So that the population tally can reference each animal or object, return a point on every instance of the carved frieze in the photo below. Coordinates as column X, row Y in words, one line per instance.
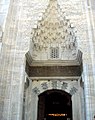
column 54, row 84
column 44, row 85
column 64, row 86
column 73, row 90
column 53, row 71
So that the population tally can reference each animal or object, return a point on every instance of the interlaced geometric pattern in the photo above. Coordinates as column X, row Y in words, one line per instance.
column 54, row 52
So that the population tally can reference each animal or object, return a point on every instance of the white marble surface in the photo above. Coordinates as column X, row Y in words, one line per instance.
column 22, row 18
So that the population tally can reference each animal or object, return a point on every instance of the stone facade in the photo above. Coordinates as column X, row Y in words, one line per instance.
column 22, row 17
column 40, row 86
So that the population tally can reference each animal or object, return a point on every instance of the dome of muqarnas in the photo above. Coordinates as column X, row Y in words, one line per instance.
column 54, row 30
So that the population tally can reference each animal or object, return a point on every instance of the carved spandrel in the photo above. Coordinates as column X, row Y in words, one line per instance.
column 36, row 90
column 44, row 86
column 73, row 90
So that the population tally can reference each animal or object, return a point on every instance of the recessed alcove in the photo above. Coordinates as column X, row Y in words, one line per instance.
column 54, row 56
column 54, row 105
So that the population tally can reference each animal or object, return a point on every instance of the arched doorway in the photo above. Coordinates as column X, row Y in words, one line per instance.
column 54, row 105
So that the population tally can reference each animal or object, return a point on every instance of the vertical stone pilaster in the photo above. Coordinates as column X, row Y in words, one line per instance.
column 76, row 106
column 89, row 62
column 12, row 65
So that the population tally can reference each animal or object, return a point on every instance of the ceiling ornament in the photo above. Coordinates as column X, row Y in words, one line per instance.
column 55, row 30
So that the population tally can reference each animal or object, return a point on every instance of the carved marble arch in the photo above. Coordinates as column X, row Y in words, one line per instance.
column 42, row 86
column 54, row 30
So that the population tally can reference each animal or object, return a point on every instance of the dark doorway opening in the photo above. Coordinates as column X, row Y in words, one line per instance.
column 54, row 105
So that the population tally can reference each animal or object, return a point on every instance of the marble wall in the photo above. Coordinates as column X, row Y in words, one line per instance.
column 22, row 17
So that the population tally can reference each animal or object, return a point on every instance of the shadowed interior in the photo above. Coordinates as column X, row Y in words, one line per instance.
column 54, row 105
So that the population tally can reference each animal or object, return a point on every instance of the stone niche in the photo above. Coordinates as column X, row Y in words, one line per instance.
column 53, row 71
column 53, row 62
column 58, row 72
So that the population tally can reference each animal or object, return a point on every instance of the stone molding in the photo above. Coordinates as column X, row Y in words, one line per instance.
column 54, row 68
